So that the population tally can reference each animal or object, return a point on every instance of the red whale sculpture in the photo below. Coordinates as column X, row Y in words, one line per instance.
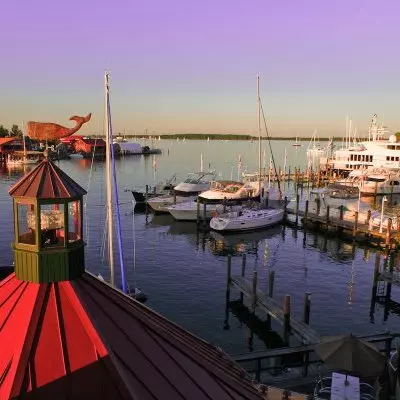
column 51, row 131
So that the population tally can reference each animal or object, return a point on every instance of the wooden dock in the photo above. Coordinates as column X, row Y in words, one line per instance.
column 303, row 331
column 348, row 223
column 304, row 367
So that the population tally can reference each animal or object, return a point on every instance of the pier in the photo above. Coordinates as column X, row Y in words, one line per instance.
column 350, row 224
column 300, row 329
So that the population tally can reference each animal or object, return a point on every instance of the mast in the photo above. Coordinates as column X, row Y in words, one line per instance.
column 259, row 136
column 108, row 179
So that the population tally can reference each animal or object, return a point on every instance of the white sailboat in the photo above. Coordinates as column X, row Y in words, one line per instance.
column 297, row 143
column 249, row 219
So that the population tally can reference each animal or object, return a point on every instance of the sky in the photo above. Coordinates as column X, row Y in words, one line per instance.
column 184, row 66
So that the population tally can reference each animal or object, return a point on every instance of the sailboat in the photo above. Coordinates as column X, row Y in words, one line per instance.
column 111, row 183
column 297, row 143
column 249, row 219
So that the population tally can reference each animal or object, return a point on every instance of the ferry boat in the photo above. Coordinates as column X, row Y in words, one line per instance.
column 377, row 151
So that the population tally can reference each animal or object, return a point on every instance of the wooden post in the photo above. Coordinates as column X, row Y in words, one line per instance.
column 306, row 213
column 198, row 212
column 286, row 315
column 341, row 212
column 174, row 196
column 307, row 308
column 285, row 208
column 228, row 281
column 205, row 215
column 368, row 217
column 228, row 293
column 288, row 177
column 388, row 232
column 375, row 190
column 243, row 272
column 243, row 264
column 266, row 198
column 146, row 193
column 271, row 278
column 297, row 208
column 327, row 214
column 254, row 290
column 318, row 201
column 355, row 227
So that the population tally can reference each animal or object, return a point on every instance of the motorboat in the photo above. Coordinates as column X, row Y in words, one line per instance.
column 195, row 183
column 230, row 190
column 373, row 181
column 160, row 189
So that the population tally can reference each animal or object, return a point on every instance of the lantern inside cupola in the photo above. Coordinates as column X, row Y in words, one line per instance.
column 48, row 243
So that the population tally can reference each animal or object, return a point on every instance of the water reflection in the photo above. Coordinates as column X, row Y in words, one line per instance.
column 240, row 243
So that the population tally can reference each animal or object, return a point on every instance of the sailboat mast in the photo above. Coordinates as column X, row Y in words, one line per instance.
column 108, row 179
column 259, row 136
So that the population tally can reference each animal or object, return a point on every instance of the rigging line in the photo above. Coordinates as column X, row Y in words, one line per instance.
column 270, row 149
column 134, row 244
column 114, row 173
column 103, row 242
column 85, row 212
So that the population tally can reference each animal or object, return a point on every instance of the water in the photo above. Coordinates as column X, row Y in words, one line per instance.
column 184, row 271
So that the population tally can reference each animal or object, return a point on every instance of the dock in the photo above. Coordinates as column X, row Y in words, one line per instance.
column 301, row 329
column 350, row 224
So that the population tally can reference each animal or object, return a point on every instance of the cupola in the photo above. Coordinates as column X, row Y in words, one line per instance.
column 48, row 244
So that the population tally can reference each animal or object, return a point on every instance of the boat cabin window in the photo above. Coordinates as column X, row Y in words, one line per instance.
column 372, row 179
column 232, row 189
column 192, row 179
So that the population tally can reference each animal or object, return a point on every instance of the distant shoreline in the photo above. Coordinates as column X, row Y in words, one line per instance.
column 192, row 136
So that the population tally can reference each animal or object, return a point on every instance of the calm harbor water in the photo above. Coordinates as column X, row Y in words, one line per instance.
column 184, row 271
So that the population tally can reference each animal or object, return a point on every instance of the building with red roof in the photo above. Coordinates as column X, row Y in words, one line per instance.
column 65, row 334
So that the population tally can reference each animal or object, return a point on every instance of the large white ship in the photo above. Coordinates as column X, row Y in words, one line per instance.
column 376, row 151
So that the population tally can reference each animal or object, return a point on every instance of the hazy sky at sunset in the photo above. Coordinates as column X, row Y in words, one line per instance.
column 190, row 66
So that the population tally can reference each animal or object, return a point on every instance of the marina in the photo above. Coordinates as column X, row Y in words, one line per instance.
column 303, row 272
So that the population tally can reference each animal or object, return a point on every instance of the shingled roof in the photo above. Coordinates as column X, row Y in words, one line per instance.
column 83, row 339
column 47, row 181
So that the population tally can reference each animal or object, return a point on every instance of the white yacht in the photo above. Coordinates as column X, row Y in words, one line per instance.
column 195, row 183
column 373, row 181
column 230, row 191
column 376, row 151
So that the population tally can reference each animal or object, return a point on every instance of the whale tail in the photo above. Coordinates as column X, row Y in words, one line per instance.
column 81, row 120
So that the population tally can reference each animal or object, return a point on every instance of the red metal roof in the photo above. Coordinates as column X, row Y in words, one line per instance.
column 84, row 340
column 47, row 181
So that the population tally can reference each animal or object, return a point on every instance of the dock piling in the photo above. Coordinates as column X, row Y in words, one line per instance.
column 355, row 224
column 306, row 213
column 254, row 294
column 271, row 278
column 286, row 315
column 307, row 308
